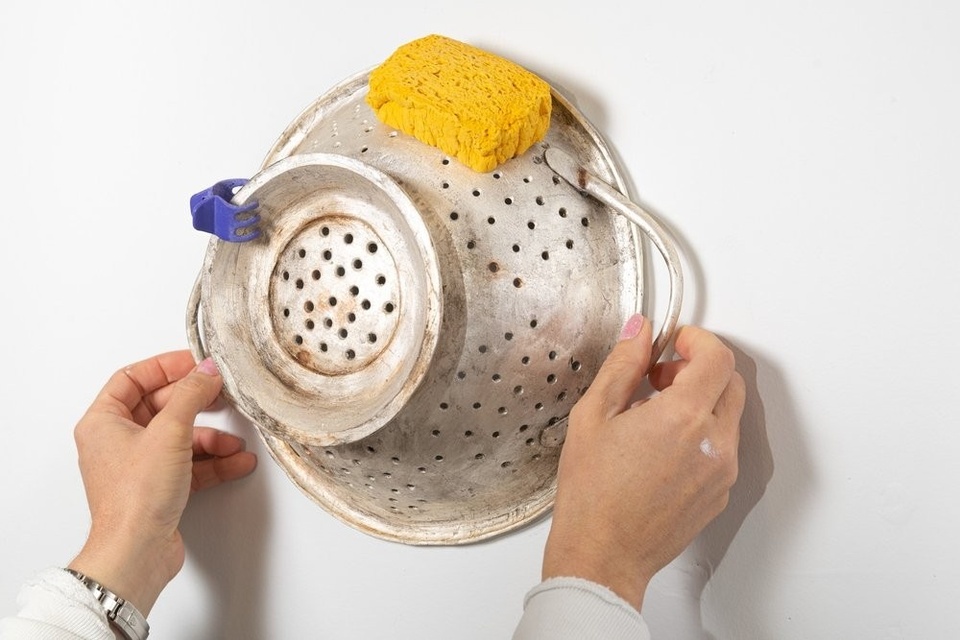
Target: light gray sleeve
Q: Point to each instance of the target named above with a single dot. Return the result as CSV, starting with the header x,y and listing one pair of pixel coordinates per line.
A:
x,y
55,606
577,609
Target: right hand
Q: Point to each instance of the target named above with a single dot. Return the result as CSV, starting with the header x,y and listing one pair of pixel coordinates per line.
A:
x,y
638,481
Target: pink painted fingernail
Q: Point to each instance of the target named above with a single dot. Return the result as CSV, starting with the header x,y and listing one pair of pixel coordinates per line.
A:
x,y
208,367
633,327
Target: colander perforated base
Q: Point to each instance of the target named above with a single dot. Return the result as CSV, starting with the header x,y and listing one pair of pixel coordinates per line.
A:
x,y
537,280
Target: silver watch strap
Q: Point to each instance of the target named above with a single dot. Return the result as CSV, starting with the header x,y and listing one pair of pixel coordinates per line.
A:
x,y
121,613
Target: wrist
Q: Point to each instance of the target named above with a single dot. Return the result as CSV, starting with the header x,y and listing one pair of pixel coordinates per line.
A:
x,y
598,563
135,569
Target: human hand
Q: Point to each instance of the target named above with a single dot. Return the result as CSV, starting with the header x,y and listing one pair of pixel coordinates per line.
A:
x,y
141,457
638,481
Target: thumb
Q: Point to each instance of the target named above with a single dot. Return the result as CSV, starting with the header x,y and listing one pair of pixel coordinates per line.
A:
x,y
192,394
624,369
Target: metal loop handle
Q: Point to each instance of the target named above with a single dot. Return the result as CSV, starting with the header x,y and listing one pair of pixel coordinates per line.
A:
x,y
568,169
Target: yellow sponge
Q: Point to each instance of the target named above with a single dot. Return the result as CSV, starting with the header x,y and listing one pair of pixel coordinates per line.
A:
x,y
469,103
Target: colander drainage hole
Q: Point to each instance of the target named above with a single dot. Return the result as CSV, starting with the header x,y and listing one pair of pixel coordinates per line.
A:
x,y
302,253
328,323
354,291
350,354
552,355
372,247
388,308
454,215
482,348
315,274
569,244
461,375
477,405
286,275
468,434
508,335
365,305
308,306
517,282
545,255
444,406
435,433
381,280
531,225
309,324
328,255
585,222
508,200
341,271
351,317
516,248
323,347
348,238
540,200
479,456
562,212
343,333
494,267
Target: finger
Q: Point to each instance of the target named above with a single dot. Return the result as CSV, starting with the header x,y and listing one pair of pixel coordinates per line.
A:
x,y
664,373
126,389
209,473
729,407
623,370
192,394
213,442
710,364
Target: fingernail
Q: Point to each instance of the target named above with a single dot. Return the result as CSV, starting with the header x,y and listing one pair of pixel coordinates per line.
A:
x,y
208,367
633,327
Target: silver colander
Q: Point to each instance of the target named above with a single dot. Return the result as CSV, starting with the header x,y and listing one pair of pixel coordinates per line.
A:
x,y
409,335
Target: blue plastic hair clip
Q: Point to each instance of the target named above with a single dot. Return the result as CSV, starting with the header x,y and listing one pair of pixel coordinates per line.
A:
x,y
214,212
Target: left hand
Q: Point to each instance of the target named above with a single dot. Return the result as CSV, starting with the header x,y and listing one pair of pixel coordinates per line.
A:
x,y
141,457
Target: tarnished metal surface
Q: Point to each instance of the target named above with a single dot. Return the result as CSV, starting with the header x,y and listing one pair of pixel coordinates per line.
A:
x,y
486,318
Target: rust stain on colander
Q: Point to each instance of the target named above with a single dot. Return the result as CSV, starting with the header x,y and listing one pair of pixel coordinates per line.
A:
x,y
406,330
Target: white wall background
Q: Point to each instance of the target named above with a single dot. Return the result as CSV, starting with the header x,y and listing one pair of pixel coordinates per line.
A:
x,y
807,153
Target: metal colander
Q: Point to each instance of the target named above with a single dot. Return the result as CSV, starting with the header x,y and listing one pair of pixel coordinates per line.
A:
x,y
409,335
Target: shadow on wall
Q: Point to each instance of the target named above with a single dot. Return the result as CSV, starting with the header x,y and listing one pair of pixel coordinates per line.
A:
x,y
688,597
226,531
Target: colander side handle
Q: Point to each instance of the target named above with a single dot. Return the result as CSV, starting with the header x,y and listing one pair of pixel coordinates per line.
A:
x,y
193,323
568,169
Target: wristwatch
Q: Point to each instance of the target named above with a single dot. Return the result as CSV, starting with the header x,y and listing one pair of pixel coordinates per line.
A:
x,y
121,613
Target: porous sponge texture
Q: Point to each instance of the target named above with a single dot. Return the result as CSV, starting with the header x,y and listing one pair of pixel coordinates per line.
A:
x,y
469,103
